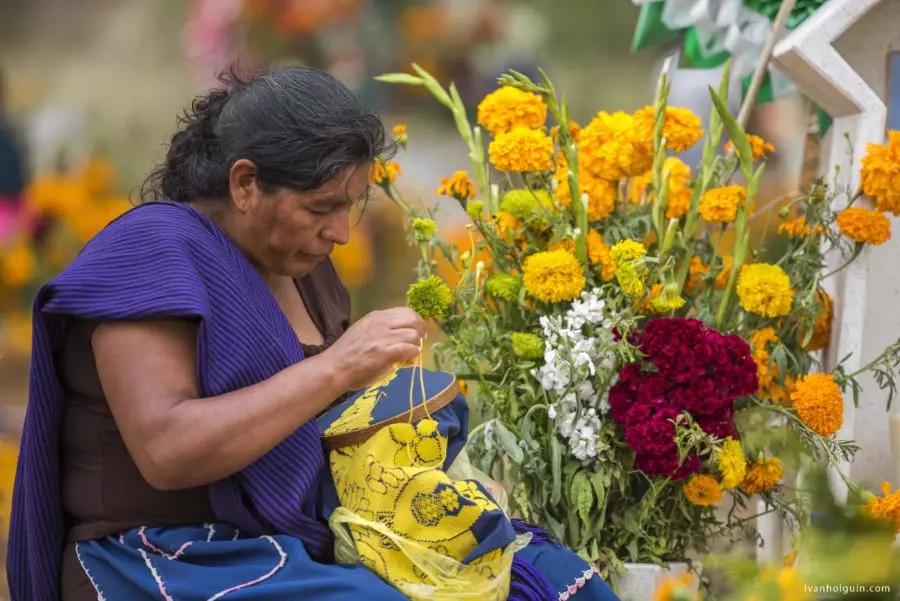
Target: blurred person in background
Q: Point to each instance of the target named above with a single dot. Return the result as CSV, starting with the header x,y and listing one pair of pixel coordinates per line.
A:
x,y
12,171
171,449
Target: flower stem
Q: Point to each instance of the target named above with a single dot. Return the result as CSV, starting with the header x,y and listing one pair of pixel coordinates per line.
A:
x,y
856,252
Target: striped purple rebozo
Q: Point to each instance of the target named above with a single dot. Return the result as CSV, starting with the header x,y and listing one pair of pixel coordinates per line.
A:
x,y
164,259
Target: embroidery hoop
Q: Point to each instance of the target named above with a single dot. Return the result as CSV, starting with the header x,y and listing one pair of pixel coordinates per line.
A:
x,y
436,400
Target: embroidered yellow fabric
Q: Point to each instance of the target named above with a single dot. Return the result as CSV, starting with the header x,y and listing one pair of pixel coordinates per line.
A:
x,y
404,518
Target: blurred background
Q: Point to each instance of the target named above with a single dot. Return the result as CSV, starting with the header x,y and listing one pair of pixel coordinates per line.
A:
x,y
90,91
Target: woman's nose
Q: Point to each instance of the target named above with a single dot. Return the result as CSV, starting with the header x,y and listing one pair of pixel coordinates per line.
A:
x,y
338,229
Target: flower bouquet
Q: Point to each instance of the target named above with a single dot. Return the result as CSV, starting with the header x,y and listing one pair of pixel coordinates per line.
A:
x,y
636,363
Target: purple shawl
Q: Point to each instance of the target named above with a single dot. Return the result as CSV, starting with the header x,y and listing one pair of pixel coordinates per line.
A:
x,y
164,259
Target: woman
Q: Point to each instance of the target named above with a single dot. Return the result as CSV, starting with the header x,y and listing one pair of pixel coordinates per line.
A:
x,y
170,450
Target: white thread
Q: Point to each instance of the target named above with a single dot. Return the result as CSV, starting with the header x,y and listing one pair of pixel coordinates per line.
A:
x,y
100,596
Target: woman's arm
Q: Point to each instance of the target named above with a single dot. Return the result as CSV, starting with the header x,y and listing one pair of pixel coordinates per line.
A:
x,y
178,440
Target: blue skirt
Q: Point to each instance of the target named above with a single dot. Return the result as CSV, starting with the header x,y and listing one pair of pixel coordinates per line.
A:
x,y
211,562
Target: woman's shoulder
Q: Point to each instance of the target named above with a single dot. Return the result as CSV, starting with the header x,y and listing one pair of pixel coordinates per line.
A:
x,y
169,219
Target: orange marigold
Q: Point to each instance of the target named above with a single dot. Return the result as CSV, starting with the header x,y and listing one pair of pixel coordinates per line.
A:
x,y
864,226
384,173
599,255
762,475
822,328
819,403
880,173
678,200
798,228
682,128
601,193
697,270
758,146
721,204
886,507
703,490
459,186
610,147
521,150
507,108
637,187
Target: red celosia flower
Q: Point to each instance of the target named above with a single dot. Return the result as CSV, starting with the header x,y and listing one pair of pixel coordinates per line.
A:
x,y
687,367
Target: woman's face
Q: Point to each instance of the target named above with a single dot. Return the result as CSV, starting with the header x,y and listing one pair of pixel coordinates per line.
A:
x,y
287,232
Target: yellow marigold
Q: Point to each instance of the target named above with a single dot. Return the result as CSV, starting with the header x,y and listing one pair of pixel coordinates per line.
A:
x,y
762,475
664,298
819,403
703,490
610,149
459,186
601,193
631,279
765,289
865,226
627,251
822,328
758,146
553,276
677,588
463,387
880,173
507,108
599,255
384,173
886,507
732,463
521,150
720,205
799,228
682,128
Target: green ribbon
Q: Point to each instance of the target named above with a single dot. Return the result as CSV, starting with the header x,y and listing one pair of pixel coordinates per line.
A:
x,y
650,30
695,56
803,9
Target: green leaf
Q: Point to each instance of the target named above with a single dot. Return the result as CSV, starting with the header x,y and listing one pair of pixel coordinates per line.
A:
x,y
600,482
509,442
434,86
633,550
735,133
555,527
555,469
581,494
401,78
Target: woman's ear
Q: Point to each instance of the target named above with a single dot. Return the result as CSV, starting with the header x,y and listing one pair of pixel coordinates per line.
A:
x,y
242,185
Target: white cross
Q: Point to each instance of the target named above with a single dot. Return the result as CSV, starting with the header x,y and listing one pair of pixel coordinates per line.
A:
x,y
808,56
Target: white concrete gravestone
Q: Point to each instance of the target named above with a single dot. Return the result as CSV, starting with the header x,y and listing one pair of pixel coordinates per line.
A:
x,y
840,59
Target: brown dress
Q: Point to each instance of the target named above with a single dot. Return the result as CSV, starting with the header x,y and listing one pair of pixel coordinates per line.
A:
x,y
103,493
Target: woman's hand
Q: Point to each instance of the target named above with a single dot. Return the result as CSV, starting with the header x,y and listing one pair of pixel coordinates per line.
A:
x,y
374,344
